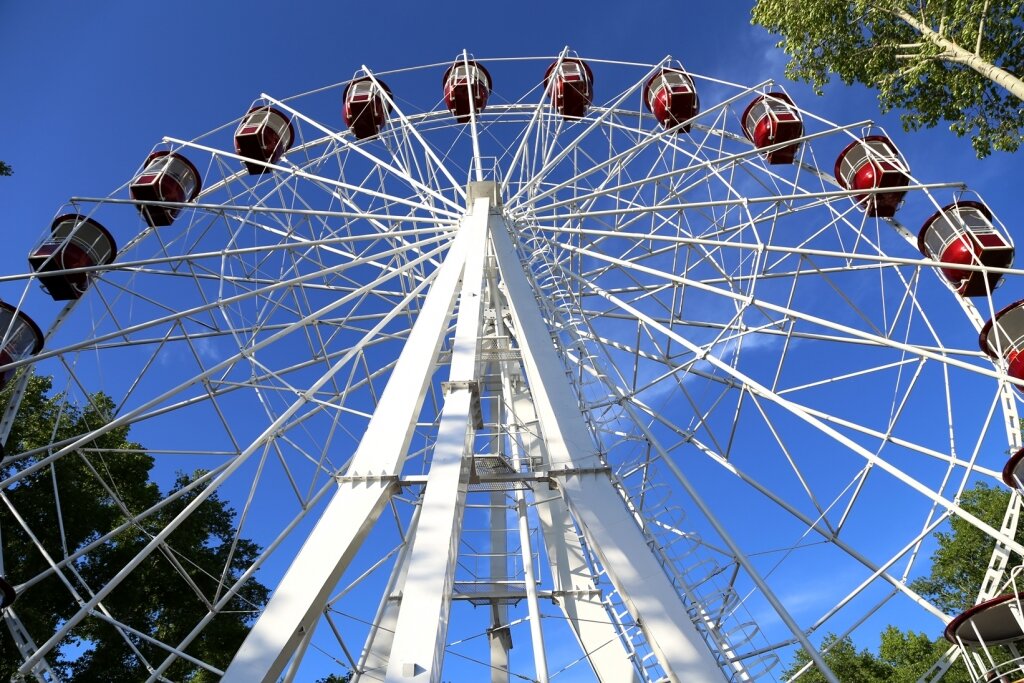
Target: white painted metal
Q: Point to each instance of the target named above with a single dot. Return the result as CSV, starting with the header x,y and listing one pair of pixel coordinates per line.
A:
x,y
417,650
610,529
621,225
362,493
579,598
499,633
373,662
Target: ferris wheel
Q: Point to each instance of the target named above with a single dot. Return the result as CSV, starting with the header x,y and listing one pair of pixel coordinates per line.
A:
x,y
621,373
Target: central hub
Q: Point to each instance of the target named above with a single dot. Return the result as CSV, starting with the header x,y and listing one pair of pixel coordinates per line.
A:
x,y
483,188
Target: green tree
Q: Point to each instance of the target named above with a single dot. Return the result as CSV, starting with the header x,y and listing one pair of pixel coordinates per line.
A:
x,y
334,678
97,489
963,553
846,662
5,169
958,567
909,655
944,60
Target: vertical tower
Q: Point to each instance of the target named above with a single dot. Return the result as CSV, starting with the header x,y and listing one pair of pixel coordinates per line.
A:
x,y
503,367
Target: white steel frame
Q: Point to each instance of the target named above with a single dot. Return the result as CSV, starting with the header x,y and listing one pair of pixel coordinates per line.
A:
x,y
599,266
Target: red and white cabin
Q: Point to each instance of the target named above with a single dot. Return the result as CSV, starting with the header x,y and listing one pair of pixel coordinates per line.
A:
x,y
75,241
1003,337
570,85
984,631
166,177
264,134
1013,471
671,96
962,233
366,109
467,85
873,162
21,338
772,119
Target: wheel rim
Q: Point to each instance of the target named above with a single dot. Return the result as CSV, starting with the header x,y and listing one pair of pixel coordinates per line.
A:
x,y
742,332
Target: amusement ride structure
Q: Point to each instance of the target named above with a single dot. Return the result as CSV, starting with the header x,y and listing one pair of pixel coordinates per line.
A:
x,y
629,375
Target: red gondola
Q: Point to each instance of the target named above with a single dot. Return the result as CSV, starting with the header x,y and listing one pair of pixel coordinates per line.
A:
x,y
467,85
22,336
962,233
1003,337
74,242
264,134
366,108
1013,470
570,84
166,177
772,119
671,96
873,162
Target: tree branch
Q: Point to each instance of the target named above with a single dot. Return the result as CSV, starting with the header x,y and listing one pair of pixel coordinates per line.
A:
x,y
981,28
955,53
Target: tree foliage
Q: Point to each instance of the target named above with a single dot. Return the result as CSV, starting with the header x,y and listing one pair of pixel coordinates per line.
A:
x,y
5,169
962,556
958,567
97,489
846,662
943,60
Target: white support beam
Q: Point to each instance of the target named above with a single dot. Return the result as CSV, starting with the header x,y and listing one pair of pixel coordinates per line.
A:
x,y
373,663
578,595
608,526
300,598
417,652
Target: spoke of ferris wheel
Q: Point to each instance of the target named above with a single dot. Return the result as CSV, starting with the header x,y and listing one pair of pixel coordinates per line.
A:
x,y
741,201
257,382
528,130
445,223
87,606
347,145
882,438
593,126
774,308
284,429
246,295
391,235
720,530
802,413
612,174
611,314
245,331
313,573
879,257
60,572
815,524
409,127
326,243
312,177
624,553
250,571
668,138
131,521
289,233
887,435
127,418
883,568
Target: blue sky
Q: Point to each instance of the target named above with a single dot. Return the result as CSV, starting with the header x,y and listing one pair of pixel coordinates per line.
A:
x,y
89,88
